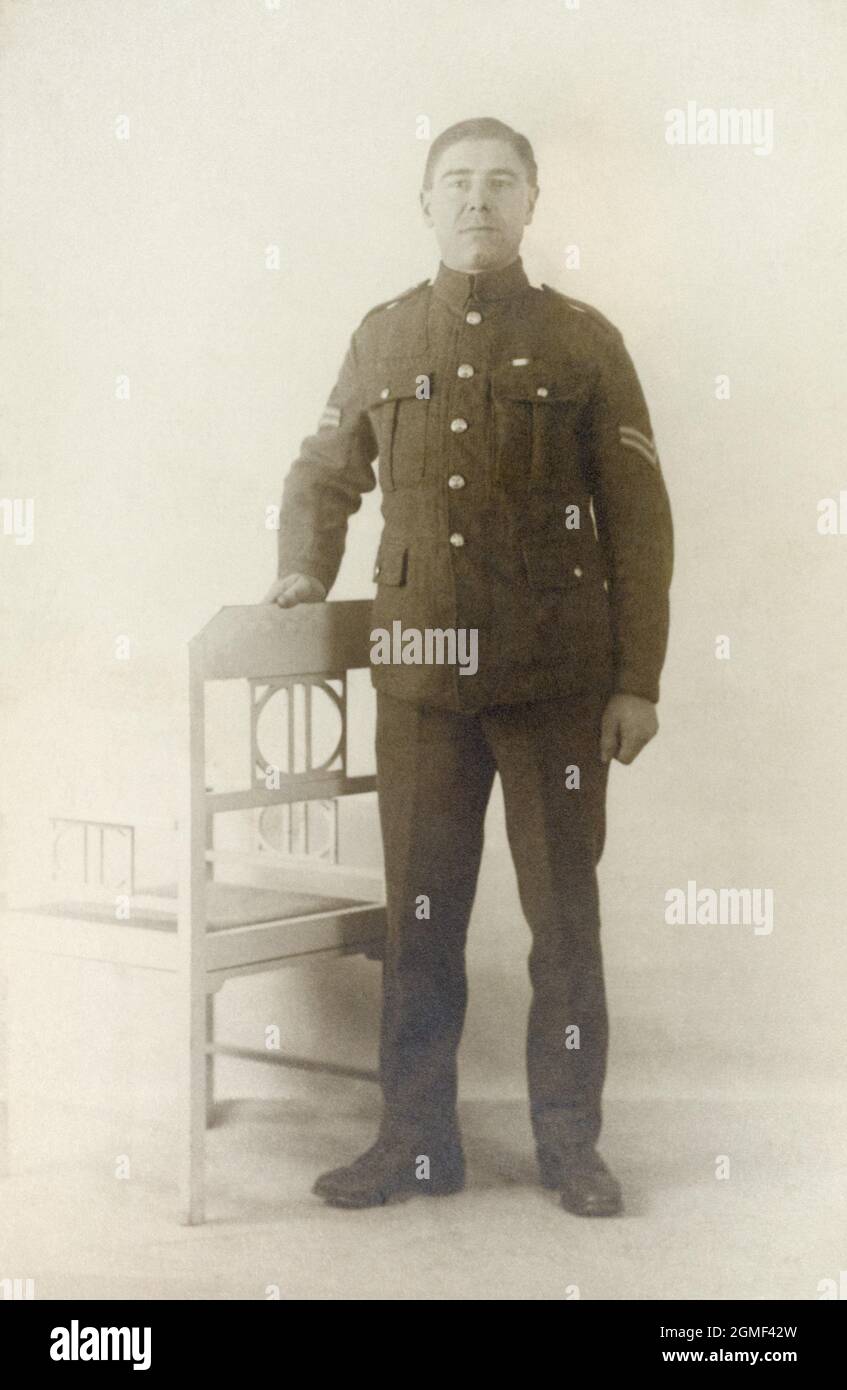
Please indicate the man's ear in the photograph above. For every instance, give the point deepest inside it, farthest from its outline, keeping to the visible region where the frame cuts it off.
(425, 197)
(533, 199)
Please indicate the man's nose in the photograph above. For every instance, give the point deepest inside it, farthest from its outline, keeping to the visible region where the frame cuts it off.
(478, 198)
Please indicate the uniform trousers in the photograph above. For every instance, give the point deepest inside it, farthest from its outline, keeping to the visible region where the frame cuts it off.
(435, 773)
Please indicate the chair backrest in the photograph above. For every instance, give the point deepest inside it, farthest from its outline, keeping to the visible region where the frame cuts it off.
(276, 653)
(279, 653)
(261, 640)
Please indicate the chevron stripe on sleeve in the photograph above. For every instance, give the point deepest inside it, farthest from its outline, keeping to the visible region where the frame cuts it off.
(633, 439)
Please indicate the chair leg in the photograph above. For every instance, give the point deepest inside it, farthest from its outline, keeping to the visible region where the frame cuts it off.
(210, 1061)
(192, 1108)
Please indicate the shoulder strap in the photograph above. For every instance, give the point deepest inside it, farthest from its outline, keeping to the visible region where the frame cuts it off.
(580, 307)
(398, 299)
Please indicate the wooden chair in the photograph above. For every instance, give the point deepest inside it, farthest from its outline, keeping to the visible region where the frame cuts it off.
(233, 912)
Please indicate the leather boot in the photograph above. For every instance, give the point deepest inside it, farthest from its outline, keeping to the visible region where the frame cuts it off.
(392, 1168)
(586, 1185)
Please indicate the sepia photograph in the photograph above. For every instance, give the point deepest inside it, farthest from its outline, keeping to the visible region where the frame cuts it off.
(422, 583)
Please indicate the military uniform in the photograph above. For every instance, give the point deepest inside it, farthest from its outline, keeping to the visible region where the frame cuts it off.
(522, 497)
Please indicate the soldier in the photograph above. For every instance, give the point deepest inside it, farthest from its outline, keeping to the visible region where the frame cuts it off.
(522, 497)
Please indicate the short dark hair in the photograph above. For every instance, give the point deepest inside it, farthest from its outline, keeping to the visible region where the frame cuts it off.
(481, 128)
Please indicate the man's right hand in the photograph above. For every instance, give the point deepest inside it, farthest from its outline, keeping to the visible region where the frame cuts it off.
(295, 588)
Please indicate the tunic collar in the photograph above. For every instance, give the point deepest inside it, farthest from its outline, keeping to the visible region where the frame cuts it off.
(456, 287)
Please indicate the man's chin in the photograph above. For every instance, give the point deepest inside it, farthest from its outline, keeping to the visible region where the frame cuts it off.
(474, 258)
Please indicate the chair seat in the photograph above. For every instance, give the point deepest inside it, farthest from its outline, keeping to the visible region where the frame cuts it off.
(229, 905)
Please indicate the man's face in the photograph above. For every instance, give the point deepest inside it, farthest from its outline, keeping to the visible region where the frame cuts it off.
(479, 204)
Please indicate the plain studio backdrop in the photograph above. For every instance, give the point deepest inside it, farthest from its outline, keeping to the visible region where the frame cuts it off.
(153, 152)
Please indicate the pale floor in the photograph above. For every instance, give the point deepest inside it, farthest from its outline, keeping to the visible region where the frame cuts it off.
(774, 1229)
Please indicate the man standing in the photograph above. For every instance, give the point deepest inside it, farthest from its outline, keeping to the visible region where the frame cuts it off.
(523, 499)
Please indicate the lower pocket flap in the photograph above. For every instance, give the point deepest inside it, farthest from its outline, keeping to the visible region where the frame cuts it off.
(391, 563)
(552, 566)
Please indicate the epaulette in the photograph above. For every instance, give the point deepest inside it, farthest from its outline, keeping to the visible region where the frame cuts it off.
(580, 307)
(398, 299)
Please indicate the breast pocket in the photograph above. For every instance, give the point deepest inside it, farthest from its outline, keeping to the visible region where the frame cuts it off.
(399, 410)
(538, 429)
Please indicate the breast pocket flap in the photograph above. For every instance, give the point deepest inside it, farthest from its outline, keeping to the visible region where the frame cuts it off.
(400, 381)
(538, 384)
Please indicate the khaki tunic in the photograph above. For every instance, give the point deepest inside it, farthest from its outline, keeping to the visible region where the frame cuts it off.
(521, 491)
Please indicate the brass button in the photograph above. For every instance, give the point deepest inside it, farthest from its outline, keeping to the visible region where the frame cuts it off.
(457, 539)
(542, 391)
(459, 425)
(455, 480)
(578, 571)
(376, 571)
(473, 316)
(385, 393)
(465, 370)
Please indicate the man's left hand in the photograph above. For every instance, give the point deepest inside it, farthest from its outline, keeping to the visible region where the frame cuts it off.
(629, 722)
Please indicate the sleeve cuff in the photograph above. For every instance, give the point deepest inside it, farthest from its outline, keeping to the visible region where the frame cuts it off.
(323, 573)
(631, 683)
